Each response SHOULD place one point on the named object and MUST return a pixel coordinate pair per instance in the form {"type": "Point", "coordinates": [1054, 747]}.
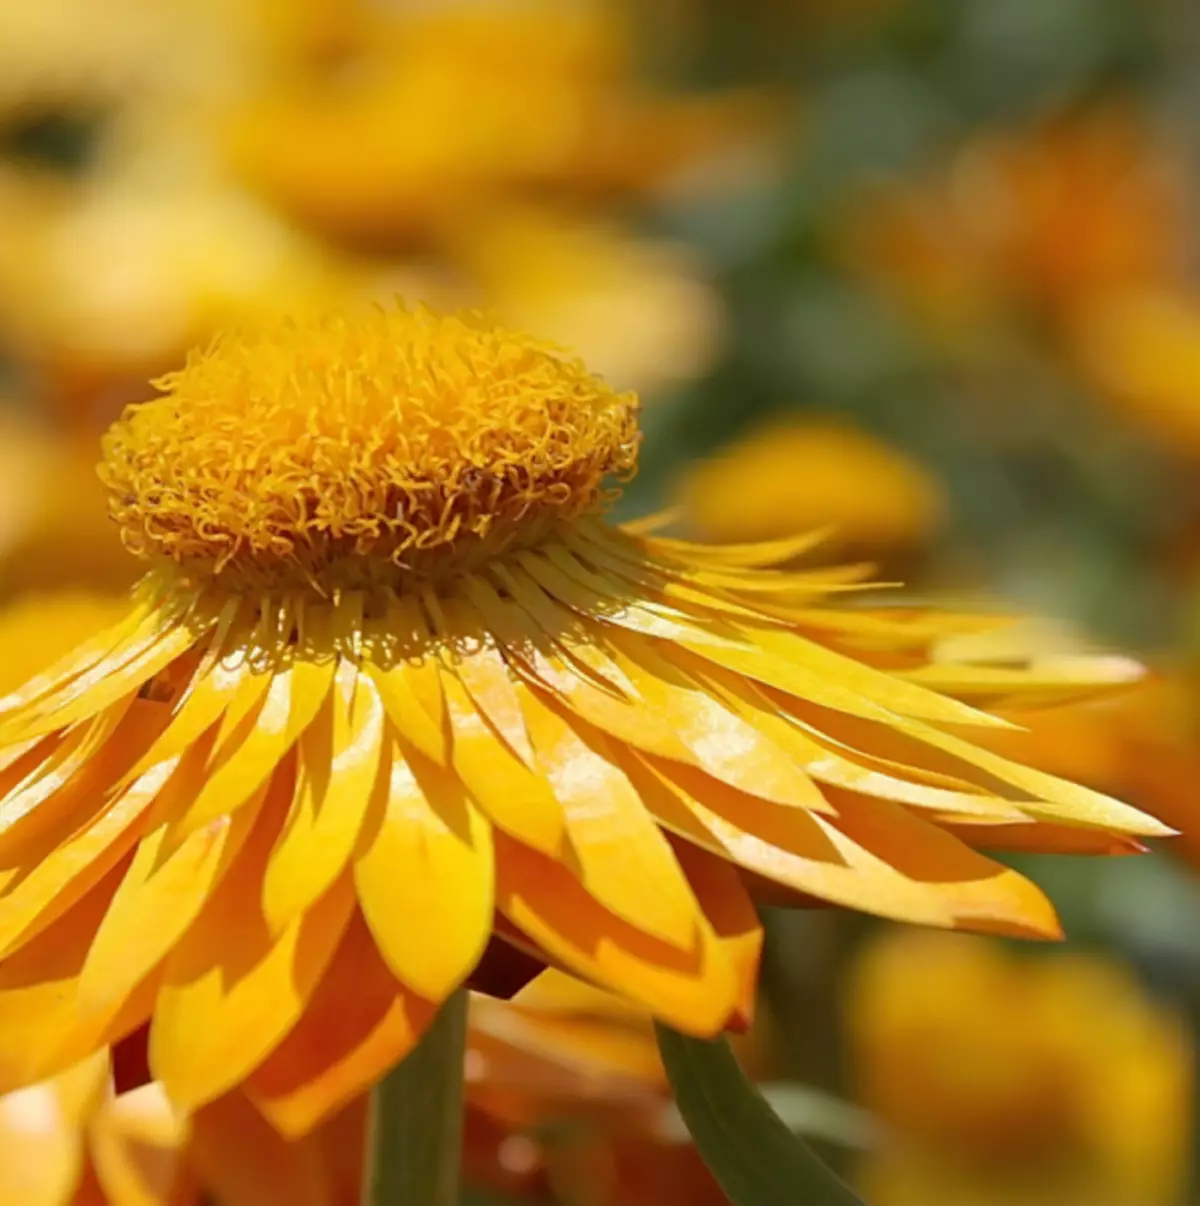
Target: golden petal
{"type": "Point", "coordinates": [426, 853]}
{"type": "Point", "coordinates": [340, 762]}
{"type": "Point", "coordinates": [359, 1023]}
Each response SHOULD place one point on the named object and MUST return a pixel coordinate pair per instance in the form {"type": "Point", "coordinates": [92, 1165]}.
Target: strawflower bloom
{"type": "Point", "coordinates": [393, 699]}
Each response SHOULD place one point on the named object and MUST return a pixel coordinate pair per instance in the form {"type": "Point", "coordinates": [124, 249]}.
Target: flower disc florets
{"type": "Point", "coordinates": [361, 452]}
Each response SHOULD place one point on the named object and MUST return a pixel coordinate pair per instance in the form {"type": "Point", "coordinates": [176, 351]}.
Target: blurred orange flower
{"type": "Point", "coordinates": [1050, 217]}
{"type": "Point", "coordinates": [1011, 1079]}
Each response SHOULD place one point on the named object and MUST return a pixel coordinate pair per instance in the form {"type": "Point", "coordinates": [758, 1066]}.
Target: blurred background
{"type": "Point", "coordinates": [925, 271]}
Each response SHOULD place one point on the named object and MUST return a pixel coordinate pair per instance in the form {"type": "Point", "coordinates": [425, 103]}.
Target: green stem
{"type": "Point", "coordinates": [414, 1124]}
{"type": "Point", "coordinates": [755, 1158]}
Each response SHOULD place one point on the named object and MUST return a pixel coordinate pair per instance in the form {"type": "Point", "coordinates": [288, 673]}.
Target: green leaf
{"type": "Point", "coordinates": [750, 1151]}
{"type": "Point", "coordinates": [804, 1111]}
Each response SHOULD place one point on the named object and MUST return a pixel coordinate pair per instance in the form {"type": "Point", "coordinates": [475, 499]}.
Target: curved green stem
{"type": "Point", "coordinates": [414, 1123]}
{"type": "Point", "coordinates": [755, 1158]}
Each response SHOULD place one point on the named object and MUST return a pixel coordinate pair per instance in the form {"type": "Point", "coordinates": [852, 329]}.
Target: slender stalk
{"type": "Point", "coordinates": [414, 1123]}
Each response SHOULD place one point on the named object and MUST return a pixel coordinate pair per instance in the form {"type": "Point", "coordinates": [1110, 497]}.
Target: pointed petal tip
{"type": "Point", "coordinates": [1028, 915]}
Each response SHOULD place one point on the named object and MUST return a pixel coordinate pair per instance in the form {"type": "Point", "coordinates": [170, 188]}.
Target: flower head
{"type": "Point", "coordinates": [398, 448]}
{"type": "Point", "coordinates": [394, 707]}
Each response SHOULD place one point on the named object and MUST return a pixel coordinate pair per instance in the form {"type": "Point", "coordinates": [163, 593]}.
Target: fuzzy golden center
{"type": "Point", "coordinates": [357, 452]}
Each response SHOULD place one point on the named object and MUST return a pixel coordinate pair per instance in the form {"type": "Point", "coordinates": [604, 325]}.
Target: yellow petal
{"type": "Point", "coordinates": [1055, 799]}
{"type": "Point", "coordinates": [138, 1142]}
{"type": "Point", "coordinates": [38, 1021]}
{"type": "Point", "coordinates": [730, 912]}
{"type": "Point", "coordinates": [359, 1023]}
{"type": "Point", "coordinates": [514, 798]}
{"type": "Point", "coordinates": [340, 760]}
{"type": "Point", "coordinates": [167, 884]}
{"type": "Point", "coordinates": [104, 684]}
{"type": "Point", "coordinates": [430, 857]}
{"type": "Point", "coordinates": [870, 859]}
{"type": "Point", "coordinates": [52, 774]}
{"type": "Point", "coordinates": [753, 554]}
{"type": "Point", "coordinates": [814, 673]}
{"type": "Point", "coordinates": [45, 878]}
{"type": "Point", "coordinates": [246, 760]}
{"type": "Point", "coordinates": [531, 651]}
{"type": "Point", "coordinates": [826, 766]}
{"type": "Point", "coordinates": [398, 653]}
{"type": "Point", "coordinates": [112, 647]}
{"type": "Point", "coordinates": [697, 991]}
{"type": "Point", "coordinates": [42, 1134]}
{"type": "Point", "coordinates": [231, 990]}
{"type": "Point", "coordinates": [476, 659]}
{"type": "Point", "coordinates": [719, 741]}
{"type": "Point", "coordinates": [620, 855]}
{"type": "Point", "coordinates": [232, 680]}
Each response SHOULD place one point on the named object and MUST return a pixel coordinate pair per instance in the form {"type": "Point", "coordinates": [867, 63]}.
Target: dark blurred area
{"type": "Point", "coordinates": [921, 271]}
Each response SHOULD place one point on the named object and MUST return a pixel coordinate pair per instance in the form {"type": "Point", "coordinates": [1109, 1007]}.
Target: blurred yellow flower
{"type": "Point", "coordinates": [1009, 1079]}
{"type": "Point", "coordinates": [128, 270]}
{"type": "Point", "coordinates": [75, 56]}
{"type": "Point", "coordinates": [389, 661]}
{"type": "Point", "coordinates": [54, 531]}
{"type": "Point", "coordinates": [638, 311]}
{"type": "Point", "coordinates": [1142, 351]}
{"type": "Point", "coordinates": [400, 146]}
{"type": "Point", "coordinates": [794, 475]}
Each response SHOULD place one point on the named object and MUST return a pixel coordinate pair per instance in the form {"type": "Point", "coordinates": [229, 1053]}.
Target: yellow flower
{"type": "Point", "coordinates": [119, 277]}
{"type": "Point", "coordinates": [638, 311]}
{"type": "Point", "coordinates": [1007, 1079]}
{"type": "Point", "coordinates": [794, 475]}
{"type": "Point", "coordinates": [560, 1055]}
{"type": "Point", "coordinates": [393, 699]}
{"type": "Point", "coordinates": [401, 146]}
{"type": "Point", "coordinates": [71, 55]}
{"type": "Point", "coordinates": [53, 530]}
{"type": "Point", "coordinates": [1142, 349]}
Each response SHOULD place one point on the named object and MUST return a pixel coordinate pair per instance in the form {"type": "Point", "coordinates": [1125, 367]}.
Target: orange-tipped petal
{"type": "Point", "coordinates": [696, 990]}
